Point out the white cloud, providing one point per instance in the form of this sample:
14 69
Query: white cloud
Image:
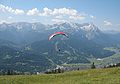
92 17
46 12
10 17
2 8
34 11
107 23
10 10
58 20
59 11
18 11
65 11
56 14
77 17
34 19
59 17
71 13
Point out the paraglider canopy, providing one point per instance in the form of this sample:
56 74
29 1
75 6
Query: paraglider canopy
57 33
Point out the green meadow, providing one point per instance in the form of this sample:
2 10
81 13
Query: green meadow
91 76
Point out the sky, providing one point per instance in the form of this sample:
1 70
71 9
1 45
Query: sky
103 13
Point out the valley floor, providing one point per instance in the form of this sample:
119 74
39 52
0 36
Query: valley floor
92 76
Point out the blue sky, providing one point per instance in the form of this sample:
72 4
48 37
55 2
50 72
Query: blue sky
103 13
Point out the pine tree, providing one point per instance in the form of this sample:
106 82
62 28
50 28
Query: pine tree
93 66
8 72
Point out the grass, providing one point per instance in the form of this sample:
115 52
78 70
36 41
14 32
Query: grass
92 76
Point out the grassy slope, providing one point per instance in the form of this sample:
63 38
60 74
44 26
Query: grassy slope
107 60
96 76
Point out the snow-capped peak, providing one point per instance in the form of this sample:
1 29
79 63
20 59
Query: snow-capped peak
89 27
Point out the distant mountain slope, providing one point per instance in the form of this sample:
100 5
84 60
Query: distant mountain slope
29 41
11 59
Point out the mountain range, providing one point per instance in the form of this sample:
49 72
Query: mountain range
25 46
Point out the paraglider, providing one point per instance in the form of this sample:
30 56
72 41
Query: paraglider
57 34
